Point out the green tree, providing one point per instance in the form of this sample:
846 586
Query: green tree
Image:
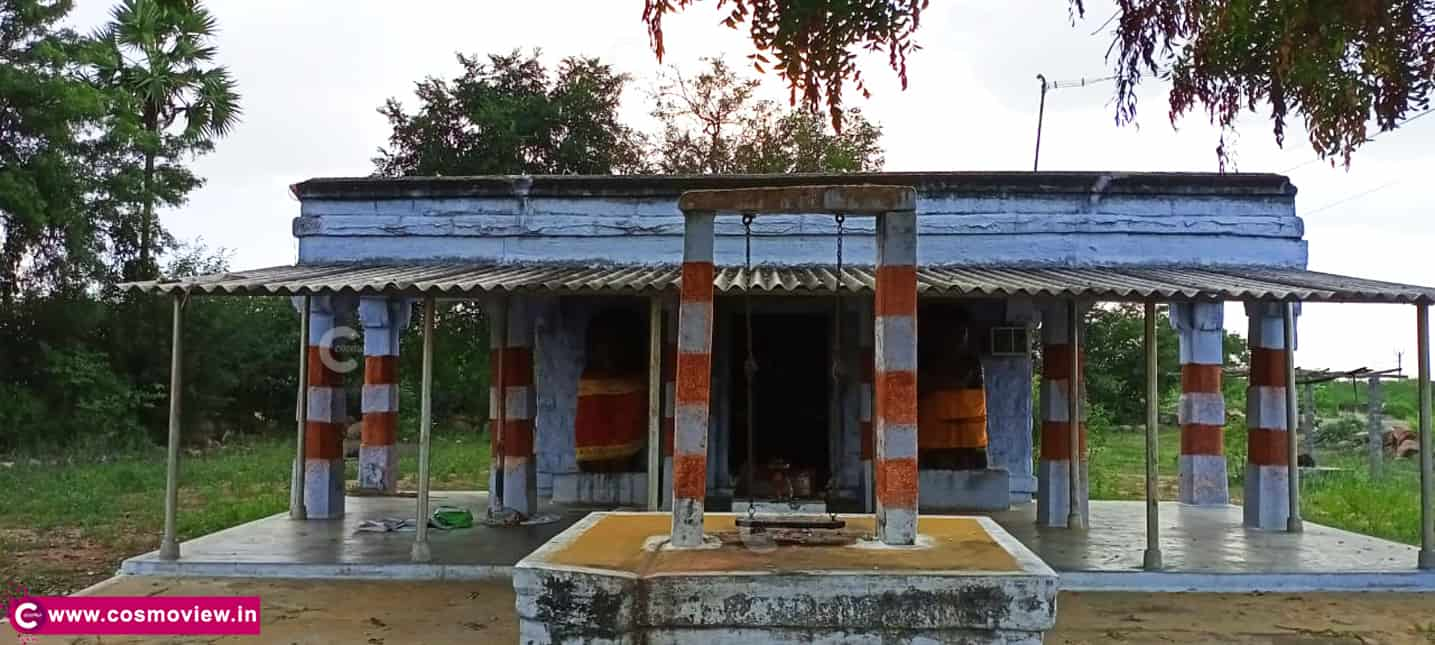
47 239
1115 350
172 101
511 115
506 114
713 123
1338 65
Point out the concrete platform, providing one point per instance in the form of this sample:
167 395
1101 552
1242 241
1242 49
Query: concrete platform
1205 549
612 578
277 546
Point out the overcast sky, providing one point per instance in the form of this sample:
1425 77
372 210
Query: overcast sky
313 73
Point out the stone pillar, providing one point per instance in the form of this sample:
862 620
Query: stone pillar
1202 411
384 320
520 467
864 404
1267 501
670 372
324 429
895 360
1054 472
694 382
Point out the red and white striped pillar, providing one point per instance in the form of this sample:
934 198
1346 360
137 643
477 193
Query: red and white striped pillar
1053 501
1267 486
895 379
670 372
1202 412
694 381
866 371
514 350
324 427
384 320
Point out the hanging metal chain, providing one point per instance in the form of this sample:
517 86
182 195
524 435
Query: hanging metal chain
750 365
839 379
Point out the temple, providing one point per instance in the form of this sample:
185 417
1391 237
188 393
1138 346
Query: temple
893 344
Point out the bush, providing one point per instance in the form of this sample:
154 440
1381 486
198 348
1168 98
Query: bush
1340 430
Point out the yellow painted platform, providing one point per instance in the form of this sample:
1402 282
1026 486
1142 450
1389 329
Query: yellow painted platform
616 542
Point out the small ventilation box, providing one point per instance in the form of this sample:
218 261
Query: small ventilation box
1011 341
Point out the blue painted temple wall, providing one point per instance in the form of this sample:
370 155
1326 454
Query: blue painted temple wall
1073 220
1085 220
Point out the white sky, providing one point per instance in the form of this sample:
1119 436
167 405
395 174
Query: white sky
313 73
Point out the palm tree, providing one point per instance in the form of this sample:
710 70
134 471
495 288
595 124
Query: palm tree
157 56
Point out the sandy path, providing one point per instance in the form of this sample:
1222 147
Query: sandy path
389 613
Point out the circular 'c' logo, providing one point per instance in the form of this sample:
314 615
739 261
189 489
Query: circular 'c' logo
26 616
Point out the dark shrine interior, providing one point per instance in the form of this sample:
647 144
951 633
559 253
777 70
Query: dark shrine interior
791 392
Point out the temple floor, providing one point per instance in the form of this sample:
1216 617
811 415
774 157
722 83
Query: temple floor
1204 549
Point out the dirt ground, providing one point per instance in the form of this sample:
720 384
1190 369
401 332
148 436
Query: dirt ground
389 613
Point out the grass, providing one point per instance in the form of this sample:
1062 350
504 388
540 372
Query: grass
1386 507
66 523
1399 397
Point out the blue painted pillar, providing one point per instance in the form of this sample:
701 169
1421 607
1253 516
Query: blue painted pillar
1200 327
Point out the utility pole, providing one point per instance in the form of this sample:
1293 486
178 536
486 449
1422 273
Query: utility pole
1375 429
1041 107
1040 116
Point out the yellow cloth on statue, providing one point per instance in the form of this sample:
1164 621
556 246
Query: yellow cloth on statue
955 418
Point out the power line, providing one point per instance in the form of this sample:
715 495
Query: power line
1354 197
1079 82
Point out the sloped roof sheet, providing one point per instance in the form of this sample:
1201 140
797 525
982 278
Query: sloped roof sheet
1113 283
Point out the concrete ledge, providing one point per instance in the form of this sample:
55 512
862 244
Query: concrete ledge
566 603
1292 582
146 565
964 490
604 489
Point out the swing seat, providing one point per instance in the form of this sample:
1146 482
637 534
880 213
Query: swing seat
758 523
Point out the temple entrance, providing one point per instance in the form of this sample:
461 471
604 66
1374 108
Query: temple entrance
791 406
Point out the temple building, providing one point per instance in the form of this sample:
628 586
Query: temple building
609 297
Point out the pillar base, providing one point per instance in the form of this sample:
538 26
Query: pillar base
1204 481
520 486
1427 560
324 488
687 524
169 549
1267 500
1151 560
420 552
379 469
897 526
1053 497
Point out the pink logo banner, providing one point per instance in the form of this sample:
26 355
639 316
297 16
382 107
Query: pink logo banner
133 616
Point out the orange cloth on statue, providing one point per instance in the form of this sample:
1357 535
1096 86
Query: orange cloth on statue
948 419
612 419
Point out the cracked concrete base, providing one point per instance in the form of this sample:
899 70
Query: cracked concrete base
731 596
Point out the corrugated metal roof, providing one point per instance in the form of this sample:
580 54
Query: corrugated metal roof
1116 283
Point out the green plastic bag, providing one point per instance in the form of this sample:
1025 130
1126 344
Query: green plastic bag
451 517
